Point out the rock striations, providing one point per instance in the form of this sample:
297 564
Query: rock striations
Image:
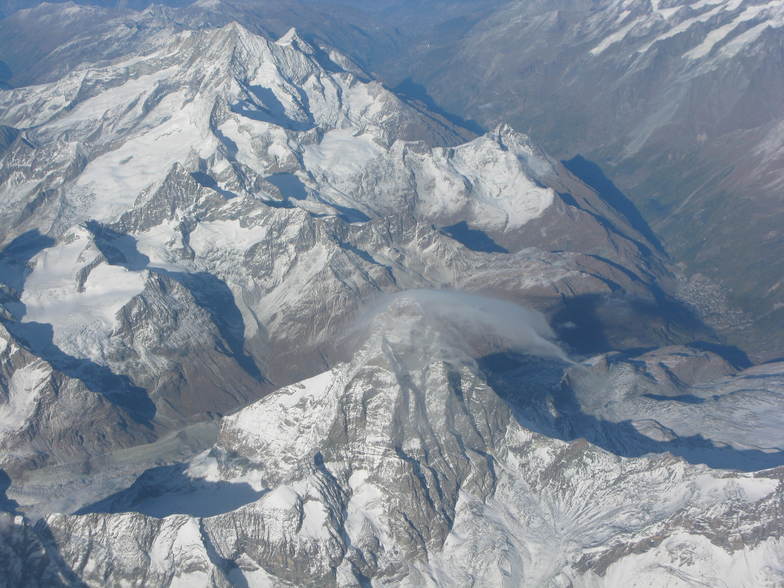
264 322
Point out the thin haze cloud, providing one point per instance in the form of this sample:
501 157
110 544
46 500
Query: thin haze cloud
479 321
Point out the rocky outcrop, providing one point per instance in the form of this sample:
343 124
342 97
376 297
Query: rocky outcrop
410 466
214 208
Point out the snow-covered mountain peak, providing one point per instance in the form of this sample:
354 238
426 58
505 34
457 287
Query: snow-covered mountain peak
194 95
265 322
415 468
249 115
207 146
537 164
292 37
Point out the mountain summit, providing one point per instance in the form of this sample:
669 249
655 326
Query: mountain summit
266 322
409 465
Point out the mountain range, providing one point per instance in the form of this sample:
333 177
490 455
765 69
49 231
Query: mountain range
269 319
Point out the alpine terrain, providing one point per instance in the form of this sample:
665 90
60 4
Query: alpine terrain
265 321
678 101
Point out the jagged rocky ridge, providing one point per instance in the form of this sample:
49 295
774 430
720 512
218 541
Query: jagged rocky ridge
200 221
190 226
678 102
413 465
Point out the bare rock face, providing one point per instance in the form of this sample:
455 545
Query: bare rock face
42 401
409 465
23 557
677 101
264 322
196 221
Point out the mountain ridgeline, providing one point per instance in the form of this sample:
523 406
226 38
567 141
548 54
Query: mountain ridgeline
266 322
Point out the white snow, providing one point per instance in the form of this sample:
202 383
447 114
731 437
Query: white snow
81 320
365 508
704 11
716 36
22 395
503 193
281 498
158 243
307 409
204 467
613 38
113 101
341 153
686 24
550 502
224 234
314 522
686 560
289 37
734 46
262 417
738 411
113 181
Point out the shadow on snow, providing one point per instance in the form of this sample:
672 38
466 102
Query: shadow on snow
529 384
